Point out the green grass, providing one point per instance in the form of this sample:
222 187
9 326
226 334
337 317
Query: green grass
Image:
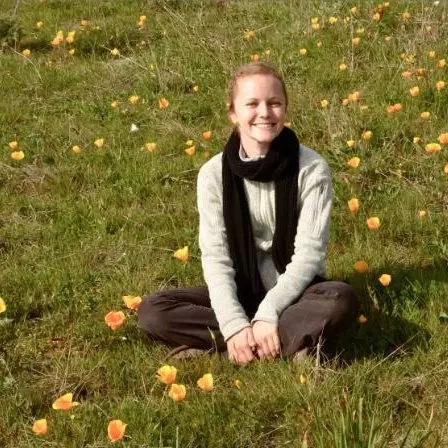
78 231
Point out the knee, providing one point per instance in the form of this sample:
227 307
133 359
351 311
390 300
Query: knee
343 297
347 303
151 318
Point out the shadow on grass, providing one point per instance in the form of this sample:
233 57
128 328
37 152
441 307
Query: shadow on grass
382 335
386 332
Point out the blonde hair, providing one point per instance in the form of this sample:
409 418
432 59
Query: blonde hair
253 68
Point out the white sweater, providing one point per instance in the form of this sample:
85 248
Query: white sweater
314 205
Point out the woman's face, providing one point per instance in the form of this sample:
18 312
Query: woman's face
259 108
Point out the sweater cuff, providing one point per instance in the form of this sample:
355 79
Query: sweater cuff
234 327
266 313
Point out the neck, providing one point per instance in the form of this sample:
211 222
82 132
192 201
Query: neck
254 149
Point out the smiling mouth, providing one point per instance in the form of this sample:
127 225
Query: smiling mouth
264 125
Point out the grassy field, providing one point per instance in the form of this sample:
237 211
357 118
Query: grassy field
81 228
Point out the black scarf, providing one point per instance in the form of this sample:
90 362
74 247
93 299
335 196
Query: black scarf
280 165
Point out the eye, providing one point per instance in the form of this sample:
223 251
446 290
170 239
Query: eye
251 104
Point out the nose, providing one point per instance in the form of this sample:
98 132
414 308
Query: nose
263 109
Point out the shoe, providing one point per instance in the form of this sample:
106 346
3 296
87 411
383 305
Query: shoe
185 352
300 356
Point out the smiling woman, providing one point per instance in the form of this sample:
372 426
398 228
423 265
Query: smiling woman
257 104
264 210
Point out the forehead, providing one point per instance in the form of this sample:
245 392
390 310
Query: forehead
258 85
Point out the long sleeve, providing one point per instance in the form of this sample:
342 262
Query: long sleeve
217 265
315 199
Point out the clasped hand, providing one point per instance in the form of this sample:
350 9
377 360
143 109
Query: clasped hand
261 340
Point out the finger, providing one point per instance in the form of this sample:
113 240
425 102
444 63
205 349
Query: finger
245 355
260 352
275 339
272 348
249 354
270 343
240 359
250 339
266 352
277 344
265 349
232 353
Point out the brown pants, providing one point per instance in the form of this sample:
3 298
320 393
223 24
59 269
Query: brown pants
185 317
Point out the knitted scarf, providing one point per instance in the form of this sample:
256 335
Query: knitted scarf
280 165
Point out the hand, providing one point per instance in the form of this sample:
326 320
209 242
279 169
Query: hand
241 346
267 339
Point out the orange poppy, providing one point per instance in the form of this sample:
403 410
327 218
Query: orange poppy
353 205
367 135
177 392
181 254
167 374
114 319
354 97
361 267
191 151
115 430
206 382
406 75
2 306
354 162
163 103
433 148
443 138
362 319
99 142
249 35
207 135
40 427
132 302
373 223
17 155
414 91
65 402
385 279
420 71
150 146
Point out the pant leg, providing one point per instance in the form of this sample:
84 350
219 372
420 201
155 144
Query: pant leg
181 317
322 311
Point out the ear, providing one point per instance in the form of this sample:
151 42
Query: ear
232 118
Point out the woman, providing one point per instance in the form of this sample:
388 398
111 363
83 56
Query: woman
264 210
